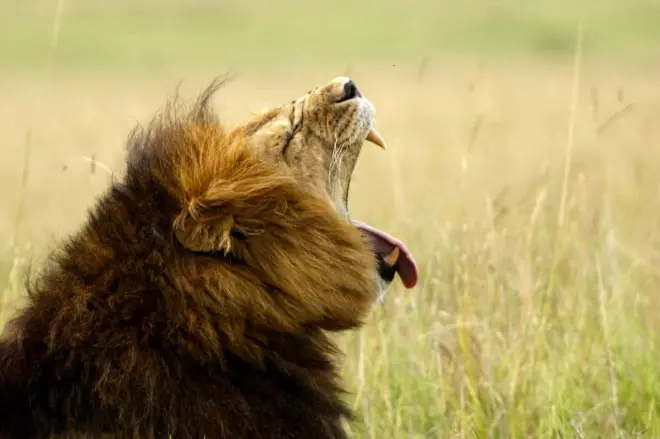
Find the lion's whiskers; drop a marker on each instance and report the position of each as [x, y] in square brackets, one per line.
[334, 172]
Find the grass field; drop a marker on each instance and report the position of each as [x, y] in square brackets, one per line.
[527, 188]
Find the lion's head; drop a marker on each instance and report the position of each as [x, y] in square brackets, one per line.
[319, 137]
[263, 206]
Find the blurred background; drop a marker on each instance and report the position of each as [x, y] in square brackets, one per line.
[522, 172]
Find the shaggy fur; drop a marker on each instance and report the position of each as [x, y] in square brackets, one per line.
[192, 303]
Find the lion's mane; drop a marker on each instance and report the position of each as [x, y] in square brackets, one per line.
[194, 302]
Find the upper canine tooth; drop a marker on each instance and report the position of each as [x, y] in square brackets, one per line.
[374, 137]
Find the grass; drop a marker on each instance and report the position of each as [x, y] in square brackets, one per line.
[524, 325]
[527, 190]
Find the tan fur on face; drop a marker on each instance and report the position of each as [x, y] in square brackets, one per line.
[317, 138]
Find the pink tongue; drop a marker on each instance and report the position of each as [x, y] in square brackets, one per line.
[384, 244]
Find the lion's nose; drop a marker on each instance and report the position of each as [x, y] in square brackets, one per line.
[350, 90]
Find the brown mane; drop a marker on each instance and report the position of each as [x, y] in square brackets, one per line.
[193, 302]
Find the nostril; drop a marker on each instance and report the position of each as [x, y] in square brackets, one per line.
[350, 91]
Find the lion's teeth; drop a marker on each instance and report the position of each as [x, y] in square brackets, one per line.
[392, 257]
[374, 137]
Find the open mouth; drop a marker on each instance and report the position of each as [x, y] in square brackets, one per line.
[394, 256]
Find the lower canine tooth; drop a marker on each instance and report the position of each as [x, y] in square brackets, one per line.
[392, 257]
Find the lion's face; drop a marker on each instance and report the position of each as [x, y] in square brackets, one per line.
[318, 137]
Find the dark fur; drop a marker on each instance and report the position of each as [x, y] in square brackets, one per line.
[192, 303]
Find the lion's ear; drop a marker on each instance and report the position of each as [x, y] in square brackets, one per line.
[200, 235]
[234, 195]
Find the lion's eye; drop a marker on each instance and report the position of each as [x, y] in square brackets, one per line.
[287, 140]
[292, 131]
[238, 234]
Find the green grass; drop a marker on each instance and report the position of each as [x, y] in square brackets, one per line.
[522, 329]
[157, 35]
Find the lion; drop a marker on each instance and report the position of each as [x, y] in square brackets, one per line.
[198, 298]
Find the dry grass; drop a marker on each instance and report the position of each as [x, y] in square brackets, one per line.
[525, 324]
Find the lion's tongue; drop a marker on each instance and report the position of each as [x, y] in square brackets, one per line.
[384, 244]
